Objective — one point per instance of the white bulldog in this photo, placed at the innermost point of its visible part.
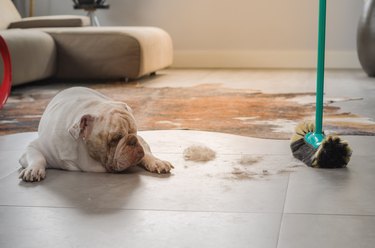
(83, 130)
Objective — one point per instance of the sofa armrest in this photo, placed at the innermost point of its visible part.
(51, 21)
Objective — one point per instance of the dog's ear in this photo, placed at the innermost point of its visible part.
(128, 108)
(83, 127)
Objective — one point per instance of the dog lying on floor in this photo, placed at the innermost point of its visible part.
(83, 130)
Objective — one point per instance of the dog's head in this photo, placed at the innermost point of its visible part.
(110, 137)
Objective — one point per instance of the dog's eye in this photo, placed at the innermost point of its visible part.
(115, 139)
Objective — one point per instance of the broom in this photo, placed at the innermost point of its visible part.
(309, 143)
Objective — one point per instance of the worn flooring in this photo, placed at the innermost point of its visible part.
(252, 194)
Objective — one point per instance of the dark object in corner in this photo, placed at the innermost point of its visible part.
(96, 4)
(366, 38)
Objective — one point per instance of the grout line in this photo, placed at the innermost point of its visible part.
(139, 209)
(229, 154)
(283, 212)
(187, 211)
(325, 214)
(3, 177)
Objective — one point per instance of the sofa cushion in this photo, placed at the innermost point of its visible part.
(51, 21)
(33, 55)
(9, 13)
(111, 52)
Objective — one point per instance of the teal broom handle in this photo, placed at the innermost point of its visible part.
(320, 67)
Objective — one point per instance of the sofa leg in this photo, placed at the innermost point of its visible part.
(153, 74)
(93, 18)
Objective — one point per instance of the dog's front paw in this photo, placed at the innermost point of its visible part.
(155, 165)
(33, 174)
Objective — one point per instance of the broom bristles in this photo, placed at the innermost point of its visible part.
(332, 153)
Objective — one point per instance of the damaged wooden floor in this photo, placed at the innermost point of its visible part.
(252, 193)
(215, 102)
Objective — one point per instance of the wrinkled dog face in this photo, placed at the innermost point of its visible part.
(111, 139)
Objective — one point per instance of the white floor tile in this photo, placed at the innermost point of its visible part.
(227, 202)
(327, 231)
(220, 185)
(56, 227)
(16, 142)
(176, 141)
(9, 162)
(337, 191)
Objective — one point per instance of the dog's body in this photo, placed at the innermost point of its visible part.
(83, 130)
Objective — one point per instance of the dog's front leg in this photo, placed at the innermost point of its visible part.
(33, 164)
(152, 163)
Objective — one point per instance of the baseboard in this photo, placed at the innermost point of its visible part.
(263, 59)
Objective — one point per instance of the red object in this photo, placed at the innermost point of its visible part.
(7, 79)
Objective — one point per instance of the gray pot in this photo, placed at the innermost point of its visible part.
(366, 38)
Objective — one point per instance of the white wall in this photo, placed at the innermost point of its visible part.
(238, 33)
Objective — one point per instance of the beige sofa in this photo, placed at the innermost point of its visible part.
(67, 47)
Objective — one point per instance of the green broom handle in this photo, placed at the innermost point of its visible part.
(320, 68)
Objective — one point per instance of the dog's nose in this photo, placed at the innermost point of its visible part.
(129, 152)
(140, 154)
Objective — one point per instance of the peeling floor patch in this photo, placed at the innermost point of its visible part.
(175, 124)
(206, 107)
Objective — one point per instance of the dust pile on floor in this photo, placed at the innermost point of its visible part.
(237, 167)
(199, 153)
(256, 166)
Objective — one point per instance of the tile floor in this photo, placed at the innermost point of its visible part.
(253, 194)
